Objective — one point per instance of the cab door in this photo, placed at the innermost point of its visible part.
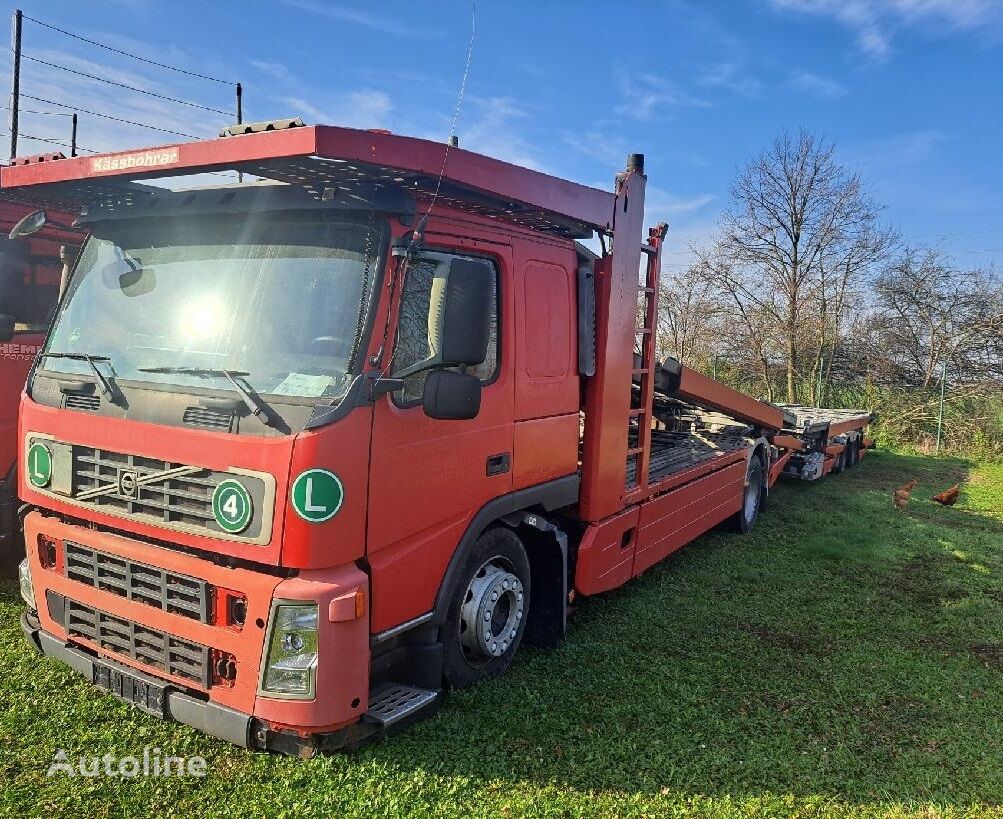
(429, 477)
(29, 287)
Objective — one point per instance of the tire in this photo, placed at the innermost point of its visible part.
(852, 453)
(840, 463)
(494, 581)
(752, 497)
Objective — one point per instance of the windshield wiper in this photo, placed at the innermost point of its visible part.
(110, 392)
(254, 402)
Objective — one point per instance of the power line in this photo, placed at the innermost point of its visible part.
(123, 85)
(126, 53)
(29, 111)
(105, 116)
(57, 142)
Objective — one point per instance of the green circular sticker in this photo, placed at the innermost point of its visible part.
(39, 465)
(317, 495)
(231, 506)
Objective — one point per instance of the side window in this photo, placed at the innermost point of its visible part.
(412, 333)
(28, 287)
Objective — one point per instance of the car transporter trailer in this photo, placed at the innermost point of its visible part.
(302, 454)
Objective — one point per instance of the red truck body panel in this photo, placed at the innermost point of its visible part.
(607, 399)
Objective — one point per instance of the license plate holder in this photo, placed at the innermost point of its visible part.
(145, 695)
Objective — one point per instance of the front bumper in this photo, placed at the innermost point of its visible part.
(210, 717)
(105, 628)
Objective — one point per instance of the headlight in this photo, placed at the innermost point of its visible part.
(24, 576)
(291, 657)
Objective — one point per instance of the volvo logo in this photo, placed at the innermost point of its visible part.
(127, 483)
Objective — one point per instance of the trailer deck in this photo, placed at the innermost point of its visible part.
(836, 421)
(674, 452)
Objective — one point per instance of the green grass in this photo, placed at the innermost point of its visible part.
(844, 659)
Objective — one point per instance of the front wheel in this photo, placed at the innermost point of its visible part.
(488, 608)
(752, 497)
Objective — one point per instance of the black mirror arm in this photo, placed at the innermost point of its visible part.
(380, 386)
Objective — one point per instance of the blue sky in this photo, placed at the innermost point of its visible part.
(911, 91)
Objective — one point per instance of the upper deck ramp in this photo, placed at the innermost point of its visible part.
(318, 158)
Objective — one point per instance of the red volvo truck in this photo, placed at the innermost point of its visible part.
(305, 453)
(31, 269)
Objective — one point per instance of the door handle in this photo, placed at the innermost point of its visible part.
(498, 464)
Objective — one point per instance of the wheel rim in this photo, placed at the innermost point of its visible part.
(491, 613)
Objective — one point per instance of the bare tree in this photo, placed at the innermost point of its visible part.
(799, 235)
(929, 313)
(688, 309)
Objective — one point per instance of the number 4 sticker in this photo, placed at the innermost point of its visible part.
(317, 495)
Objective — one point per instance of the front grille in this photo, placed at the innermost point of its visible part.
(165, 652)
(170, 592)
(210, 419)
(164, 492)
(88, 403)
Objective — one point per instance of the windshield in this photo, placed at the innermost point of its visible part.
(281, 299)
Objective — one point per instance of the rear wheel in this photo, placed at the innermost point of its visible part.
(840, 463)
(752, 497)
(852, 453)
(488, 608)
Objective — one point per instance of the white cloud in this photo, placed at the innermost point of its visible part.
(600, 145)
(817, 85)
(356, 109)
(661, 201)
(875, 21)
(732, 77)
(489, 125)
(896, 151)
(380, 21)
(688, 217)
(277, 71)
(643, 96)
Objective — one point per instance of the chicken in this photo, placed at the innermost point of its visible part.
(901, 496)
(948, 497)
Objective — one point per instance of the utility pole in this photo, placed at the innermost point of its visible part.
(73, 136)
(940, 415)
(240, 119)
(15, 89)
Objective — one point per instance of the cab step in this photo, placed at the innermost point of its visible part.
(394, 703)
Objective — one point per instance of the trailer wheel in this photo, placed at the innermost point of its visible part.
(752, 497)
(840, 463)
(851, 454)
(488, 609)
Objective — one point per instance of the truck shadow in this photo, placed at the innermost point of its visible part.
(844, 649)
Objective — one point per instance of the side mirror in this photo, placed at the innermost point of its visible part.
(459, 314)
(32, 223)
(6, 327)
(451, 396)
